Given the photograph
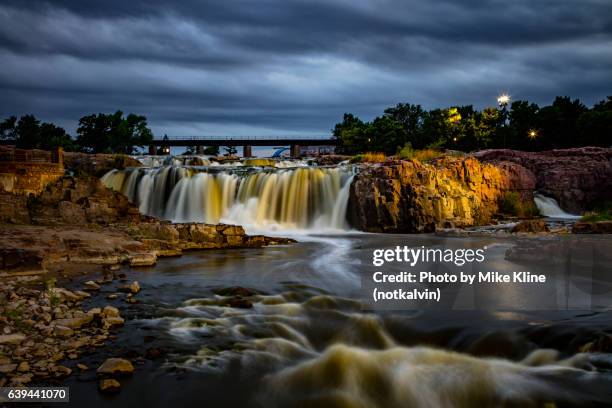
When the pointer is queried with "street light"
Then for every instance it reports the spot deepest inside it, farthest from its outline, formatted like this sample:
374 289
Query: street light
532 134
503 99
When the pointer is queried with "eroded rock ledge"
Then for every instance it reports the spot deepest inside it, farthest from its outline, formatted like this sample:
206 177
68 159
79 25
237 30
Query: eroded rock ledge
79 220
410 196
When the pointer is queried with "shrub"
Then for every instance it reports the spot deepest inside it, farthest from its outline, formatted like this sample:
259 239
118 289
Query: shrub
424 155
602 212
511 203
369 157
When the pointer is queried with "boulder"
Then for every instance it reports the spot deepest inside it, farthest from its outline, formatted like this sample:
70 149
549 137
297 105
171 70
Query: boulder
14 338
532 226
109 386
408 196
598 227
116 366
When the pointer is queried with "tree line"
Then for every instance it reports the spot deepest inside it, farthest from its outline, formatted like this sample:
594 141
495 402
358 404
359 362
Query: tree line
519 125
96 133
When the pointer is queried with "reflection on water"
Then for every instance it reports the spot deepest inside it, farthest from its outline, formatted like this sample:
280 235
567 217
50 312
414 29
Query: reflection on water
289 323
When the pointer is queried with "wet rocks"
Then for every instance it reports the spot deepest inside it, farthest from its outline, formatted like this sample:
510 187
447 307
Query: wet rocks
132 288
530 226
109 386
116 366
91 286
599 227
54 331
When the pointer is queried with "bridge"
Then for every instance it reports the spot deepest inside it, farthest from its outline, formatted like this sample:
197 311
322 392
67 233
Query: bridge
247 142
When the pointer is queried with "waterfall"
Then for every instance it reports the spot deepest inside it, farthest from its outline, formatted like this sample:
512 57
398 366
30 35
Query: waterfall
298 198
550 208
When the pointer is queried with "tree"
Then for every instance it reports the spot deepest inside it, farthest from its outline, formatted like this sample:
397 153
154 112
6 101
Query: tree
28 132
8 128
523 120
559 122
230 151
113 133
212 150
351 134
595 125
412 118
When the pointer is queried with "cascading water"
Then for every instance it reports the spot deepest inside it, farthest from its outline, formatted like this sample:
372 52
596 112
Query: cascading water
550 208
284 198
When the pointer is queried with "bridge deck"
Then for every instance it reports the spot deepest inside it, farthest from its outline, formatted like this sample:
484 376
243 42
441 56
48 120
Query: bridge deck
244 141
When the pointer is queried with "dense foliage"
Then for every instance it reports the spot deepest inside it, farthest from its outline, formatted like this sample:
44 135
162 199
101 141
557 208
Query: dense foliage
101 133
520 125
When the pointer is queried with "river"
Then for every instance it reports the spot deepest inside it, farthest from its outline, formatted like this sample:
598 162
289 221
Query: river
304 336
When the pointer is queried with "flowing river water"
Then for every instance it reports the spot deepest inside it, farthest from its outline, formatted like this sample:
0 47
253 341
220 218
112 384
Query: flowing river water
305 337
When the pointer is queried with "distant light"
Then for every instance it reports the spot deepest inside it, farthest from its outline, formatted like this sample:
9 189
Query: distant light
503 99
454 139
532 134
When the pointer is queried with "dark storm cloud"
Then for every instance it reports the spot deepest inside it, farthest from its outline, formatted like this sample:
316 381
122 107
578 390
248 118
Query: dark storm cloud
293 66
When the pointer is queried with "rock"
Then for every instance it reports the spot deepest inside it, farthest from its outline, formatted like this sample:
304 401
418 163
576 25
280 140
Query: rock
599 227
143 259
409 196
113 321
15 338
110 311
235 291
133 287
62 371
112 296
82 367
109 386
113 366
91 286
577 178
23 367
7 368
240 303
63 331
531 226
75 322
81 294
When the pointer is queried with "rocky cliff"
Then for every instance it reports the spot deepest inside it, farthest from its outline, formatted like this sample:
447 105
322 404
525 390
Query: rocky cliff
578 179
79 220
410 196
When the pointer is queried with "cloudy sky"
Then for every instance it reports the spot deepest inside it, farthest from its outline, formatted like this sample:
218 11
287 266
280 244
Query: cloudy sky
269 67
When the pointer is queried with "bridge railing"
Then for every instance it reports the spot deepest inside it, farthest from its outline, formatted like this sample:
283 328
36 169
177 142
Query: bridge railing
254 138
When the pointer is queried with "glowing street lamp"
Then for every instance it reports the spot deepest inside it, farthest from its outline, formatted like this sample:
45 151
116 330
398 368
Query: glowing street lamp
532 134
503 100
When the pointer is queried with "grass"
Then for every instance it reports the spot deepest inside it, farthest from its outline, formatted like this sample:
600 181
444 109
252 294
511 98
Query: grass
369 157
511 203
422 155
603 212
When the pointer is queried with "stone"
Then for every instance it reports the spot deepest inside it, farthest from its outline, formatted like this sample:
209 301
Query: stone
577 178
110 311
113 366
91 286
62 371
112 296
75 322
599 227
7 368
109 386
530 226
407 196
113 321
82 367
23 366
15 338
133 287
143 259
